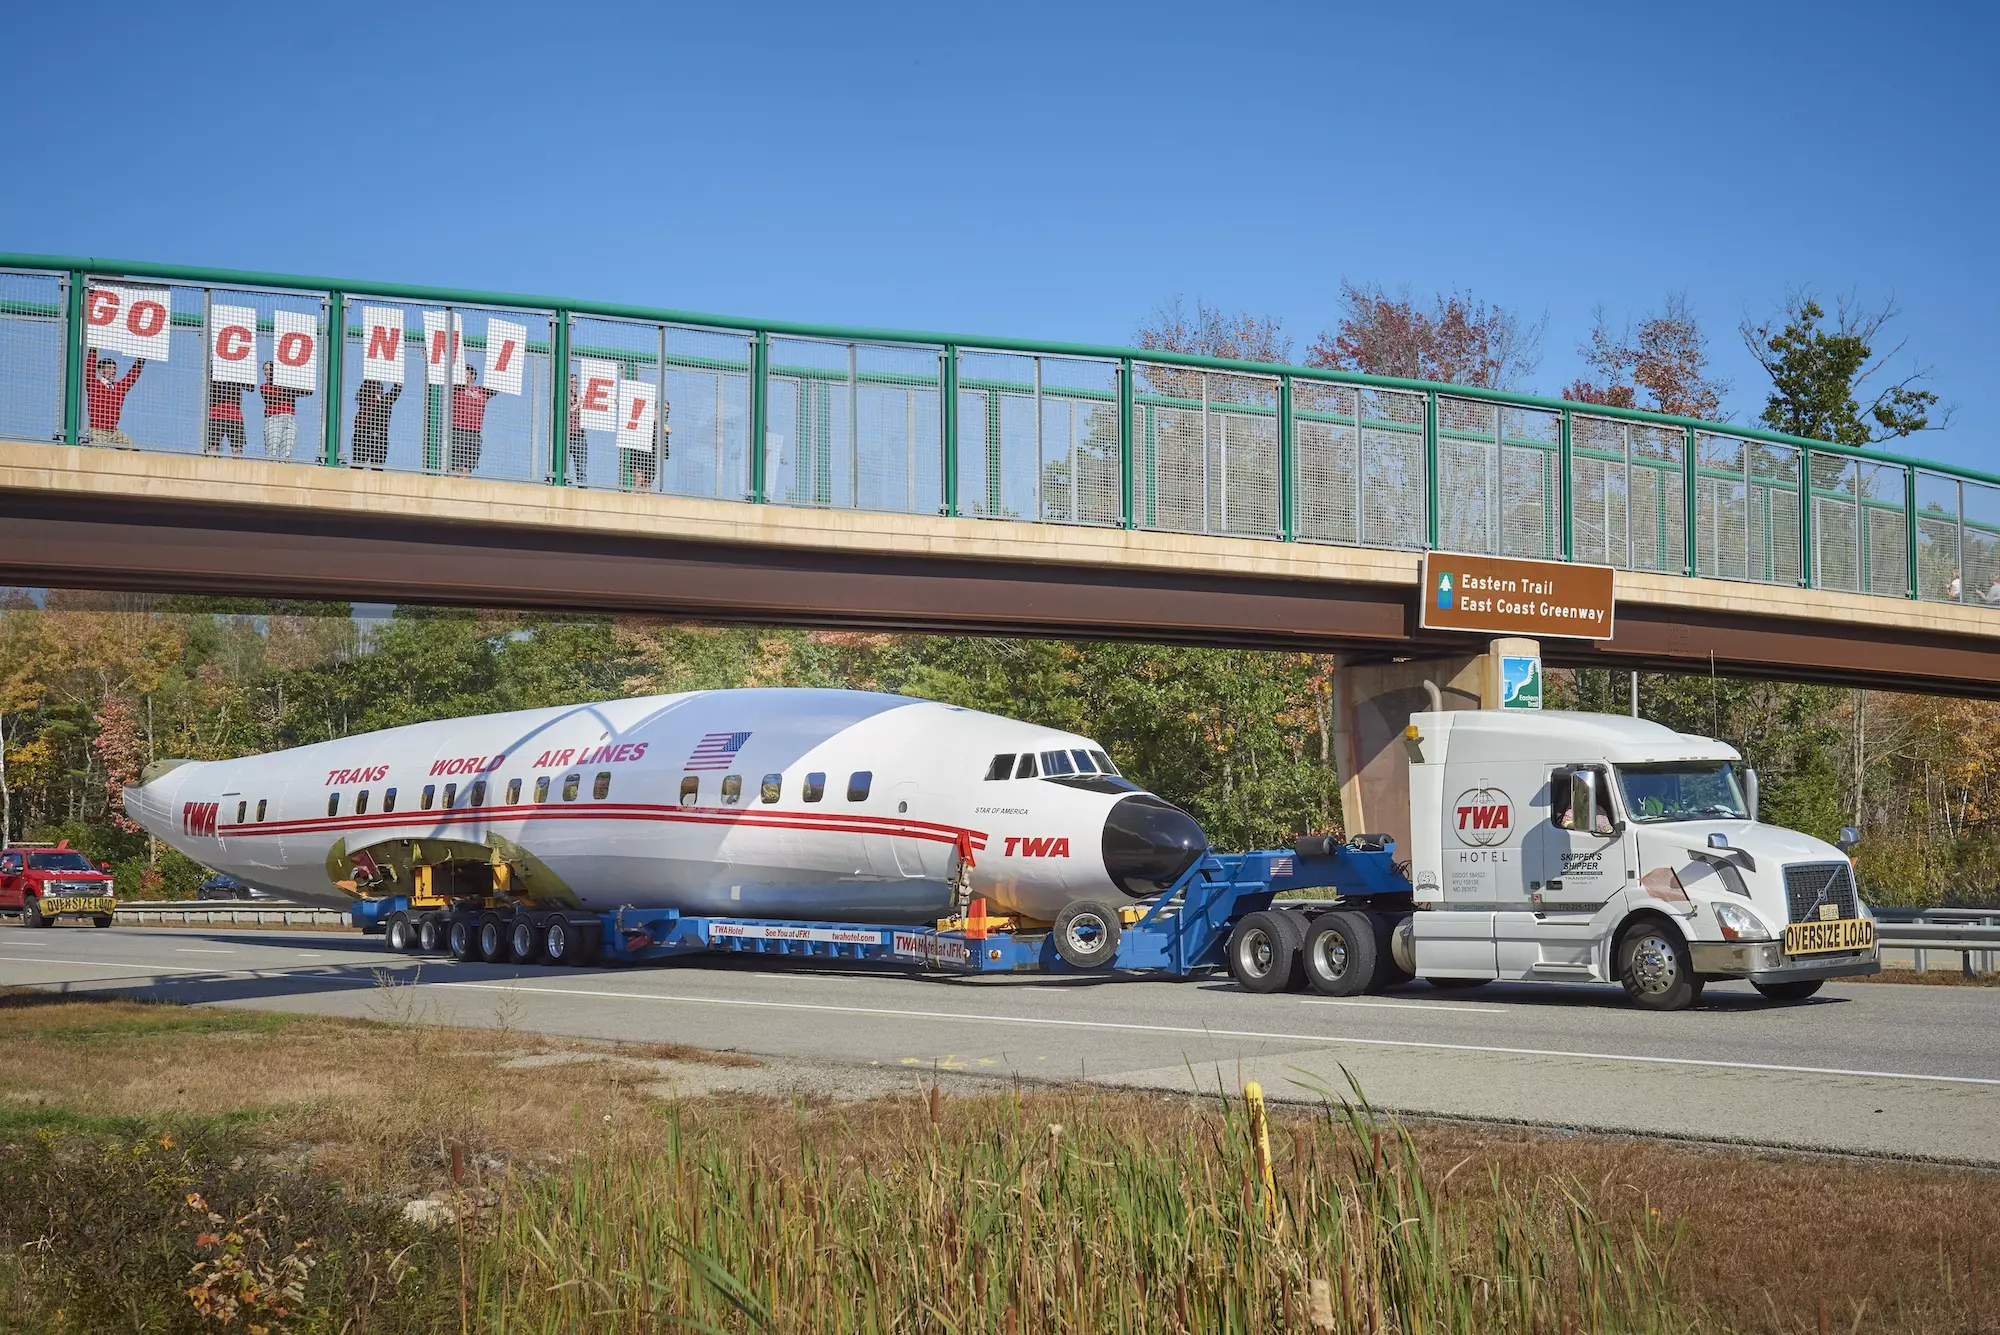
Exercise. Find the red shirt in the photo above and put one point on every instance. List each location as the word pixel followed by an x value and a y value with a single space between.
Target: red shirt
pixel 468 406
pixel 225 401
pixel 280 401
pixel 107 402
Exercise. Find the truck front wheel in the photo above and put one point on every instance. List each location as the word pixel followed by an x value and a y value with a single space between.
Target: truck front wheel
pixel 1655 968
pixel 1795 990
pixel 31 912
pixel 101 920
pixel 1342 953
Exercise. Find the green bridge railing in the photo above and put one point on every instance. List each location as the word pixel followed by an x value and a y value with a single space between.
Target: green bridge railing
pixel 575 393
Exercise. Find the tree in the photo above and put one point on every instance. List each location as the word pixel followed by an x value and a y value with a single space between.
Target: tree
pixel 1458 340
pixel 1818 374
pixel 1668 359
pixel 1212 332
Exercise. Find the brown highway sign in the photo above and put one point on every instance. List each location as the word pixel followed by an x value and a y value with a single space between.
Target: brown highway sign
pixel 1500 595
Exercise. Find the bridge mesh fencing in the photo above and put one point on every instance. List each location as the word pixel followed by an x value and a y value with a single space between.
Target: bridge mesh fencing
pixel 1499 479
pixel 855 426
pixel 33 347
pixel 1038 438
pixel 1210 460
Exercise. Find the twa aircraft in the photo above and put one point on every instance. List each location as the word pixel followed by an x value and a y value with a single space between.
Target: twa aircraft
pixel 771 803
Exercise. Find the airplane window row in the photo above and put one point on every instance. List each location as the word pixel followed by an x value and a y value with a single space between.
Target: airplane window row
pixel 475 795
pixel 773 785
pixel 1007 765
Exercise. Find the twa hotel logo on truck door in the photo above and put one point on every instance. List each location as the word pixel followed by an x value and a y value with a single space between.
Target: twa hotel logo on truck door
pixel 1483 817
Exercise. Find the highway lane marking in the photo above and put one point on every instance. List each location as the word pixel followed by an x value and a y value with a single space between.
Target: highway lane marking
pixel 200 950
pixel 1397 1005
pixel 1113 1026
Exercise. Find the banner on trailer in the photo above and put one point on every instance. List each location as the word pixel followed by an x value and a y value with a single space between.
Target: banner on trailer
pixel 506 350
pixel 382 344
pixel 295 349
pixel 136 321
pixel 638 407
pixel 437 347
pixel 232 344
pixel 597 394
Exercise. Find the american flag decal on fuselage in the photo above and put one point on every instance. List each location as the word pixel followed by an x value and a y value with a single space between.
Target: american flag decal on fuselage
pixel 716 751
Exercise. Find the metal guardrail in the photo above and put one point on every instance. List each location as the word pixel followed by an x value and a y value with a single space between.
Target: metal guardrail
pixel 562 392
pixel 1972 934
pixel 268 915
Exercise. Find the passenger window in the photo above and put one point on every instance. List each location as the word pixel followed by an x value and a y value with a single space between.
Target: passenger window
pixel 333 804
pixel 361 803
pixel 1056 762
pixel 600 787
pixel 690 790
pixel 858 784
pixel 476 797
pixel 429 796
pixel 260 807
pixel 1001 768
pixel 542 788
pixel 513 791
pixel 450 795
pixel 1082 759
pixel 815 787
pixel 388 802
pixel 1026 769
pixel 572 784
pixel 1104 765
pixel 241 808
pixel 769 790
pixel 732 789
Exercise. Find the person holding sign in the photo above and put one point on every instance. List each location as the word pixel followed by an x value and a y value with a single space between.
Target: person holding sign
pixel 225 418
pixel 373 402
pixel 577 439
pixel 281 415
pixel 468 419
pixel 107 397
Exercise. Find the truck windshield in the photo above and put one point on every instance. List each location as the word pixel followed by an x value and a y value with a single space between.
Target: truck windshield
pixel 1683 790
pixel 58 862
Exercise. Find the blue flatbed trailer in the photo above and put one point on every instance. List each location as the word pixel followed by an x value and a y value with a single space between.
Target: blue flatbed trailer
pixel 1185 930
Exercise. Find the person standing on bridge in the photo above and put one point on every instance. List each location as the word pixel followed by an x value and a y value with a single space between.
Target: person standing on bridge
pixel 225 418
pixel 641 466
pixel 577 439
pixel 281 416
pixel 373 402
pixel 107 397
pixel 468 420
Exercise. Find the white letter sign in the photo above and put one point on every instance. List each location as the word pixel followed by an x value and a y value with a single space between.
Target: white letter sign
pixel 637 406
pixel 232 344
pixel 437 347
pixel 132 320
pixel 382 344
pixel 506 350
pixel 295 349
pixel 597 394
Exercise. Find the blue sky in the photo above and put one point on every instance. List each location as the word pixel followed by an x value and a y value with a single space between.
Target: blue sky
pixel 1047 171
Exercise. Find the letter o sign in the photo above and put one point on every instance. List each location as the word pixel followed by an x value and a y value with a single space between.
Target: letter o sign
pixel 295 349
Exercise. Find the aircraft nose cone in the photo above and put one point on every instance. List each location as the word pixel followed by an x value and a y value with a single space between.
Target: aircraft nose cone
pixel 1148 843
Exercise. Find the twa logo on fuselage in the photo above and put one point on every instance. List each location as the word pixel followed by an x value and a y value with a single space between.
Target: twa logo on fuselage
pixel 1020 847
pixel 199 818
pixel 1483 817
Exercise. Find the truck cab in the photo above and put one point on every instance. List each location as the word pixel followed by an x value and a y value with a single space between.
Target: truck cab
pixel 1553 845
pixel 44 882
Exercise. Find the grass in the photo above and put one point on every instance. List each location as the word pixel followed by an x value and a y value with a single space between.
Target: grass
pixel 591 1203
pixel 1952 977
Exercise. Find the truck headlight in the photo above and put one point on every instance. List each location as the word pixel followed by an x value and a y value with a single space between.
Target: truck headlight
pixel 1739 924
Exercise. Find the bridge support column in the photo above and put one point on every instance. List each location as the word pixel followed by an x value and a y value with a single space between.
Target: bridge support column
pixel 1373 703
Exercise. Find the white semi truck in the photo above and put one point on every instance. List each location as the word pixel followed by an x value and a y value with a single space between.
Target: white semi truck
pixel 1585 847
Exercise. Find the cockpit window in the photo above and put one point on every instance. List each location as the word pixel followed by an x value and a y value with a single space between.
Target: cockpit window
pixel 1001 768
pixel 1057 762
pixel 1082 759
pixel 1026 769
pixel 1104 765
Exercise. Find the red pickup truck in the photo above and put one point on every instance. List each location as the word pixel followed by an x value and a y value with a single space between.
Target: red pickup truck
pixel 43 882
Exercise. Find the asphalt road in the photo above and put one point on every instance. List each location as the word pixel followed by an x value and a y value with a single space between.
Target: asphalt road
pixel 1868 1068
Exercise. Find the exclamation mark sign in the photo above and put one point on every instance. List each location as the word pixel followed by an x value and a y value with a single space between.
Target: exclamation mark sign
pixel 638 407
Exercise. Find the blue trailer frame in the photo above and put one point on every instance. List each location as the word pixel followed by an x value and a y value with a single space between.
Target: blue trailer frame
pixel 1182 931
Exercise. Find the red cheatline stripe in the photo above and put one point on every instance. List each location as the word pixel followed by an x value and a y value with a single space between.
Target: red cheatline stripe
pixel 925 830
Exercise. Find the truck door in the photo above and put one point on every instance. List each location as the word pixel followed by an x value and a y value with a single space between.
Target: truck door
pixel 10 880
pixel 1577 858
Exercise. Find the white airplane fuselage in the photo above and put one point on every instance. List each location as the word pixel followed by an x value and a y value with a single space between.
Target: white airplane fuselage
pixel 773 803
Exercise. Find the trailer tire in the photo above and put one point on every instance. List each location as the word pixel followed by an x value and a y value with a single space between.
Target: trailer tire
pixel 559 941
pixel 524 940
pixel 461 938
pixel 1792 990
pixel 428 929
pixel 1086 934
pixel 584 936
pixel 396 933
pixel 1264 951
pixel 1388 971
pixel 1341 955
pixel 1655 968
pixel 101 920
pixel 490 938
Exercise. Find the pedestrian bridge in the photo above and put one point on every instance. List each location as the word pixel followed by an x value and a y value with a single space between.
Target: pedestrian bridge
pixel 506 450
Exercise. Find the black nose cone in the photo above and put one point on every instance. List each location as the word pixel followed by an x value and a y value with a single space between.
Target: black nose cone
pixel 1148 843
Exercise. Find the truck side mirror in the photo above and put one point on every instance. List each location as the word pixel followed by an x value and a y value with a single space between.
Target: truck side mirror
pixel 1582 802
pixel 1849 837
pixel 1750 791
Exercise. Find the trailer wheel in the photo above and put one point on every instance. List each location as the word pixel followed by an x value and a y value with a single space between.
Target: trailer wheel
pixel 1086 934
pixel 397 933
pixel 523 941
pixel 490 938
pixel 559 941
pixel 428 928
pixel 1655 968
pixel 1340 953
pixel 1264 951
pixel 101 920
pixel 1794 990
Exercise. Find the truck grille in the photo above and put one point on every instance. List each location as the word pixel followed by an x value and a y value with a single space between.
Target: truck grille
pixel 76 888
pixel 1810 884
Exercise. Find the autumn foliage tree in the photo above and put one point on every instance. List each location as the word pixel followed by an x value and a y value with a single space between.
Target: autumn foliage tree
pixel 1456 339
pixel 1665 358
